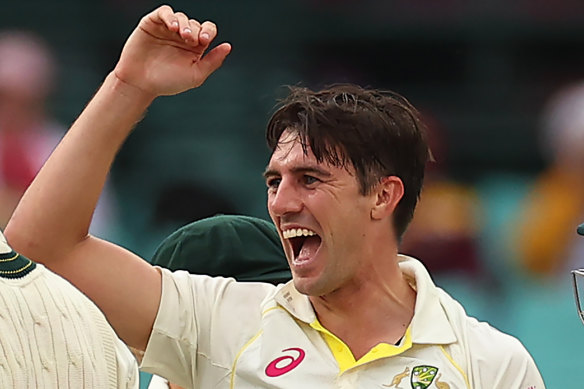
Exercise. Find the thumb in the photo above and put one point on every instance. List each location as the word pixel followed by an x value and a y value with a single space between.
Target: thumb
pixel 213 60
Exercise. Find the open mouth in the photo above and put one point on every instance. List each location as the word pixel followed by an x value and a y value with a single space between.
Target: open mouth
pixel 304 242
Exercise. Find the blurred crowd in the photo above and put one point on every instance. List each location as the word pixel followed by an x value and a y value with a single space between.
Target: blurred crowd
pixel 28 132
pixel 529 220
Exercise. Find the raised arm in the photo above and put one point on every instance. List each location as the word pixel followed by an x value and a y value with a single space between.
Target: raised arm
pixel 164 55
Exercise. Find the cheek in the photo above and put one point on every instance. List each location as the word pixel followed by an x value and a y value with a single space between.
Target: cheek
pixel 352 225
pixel 269 201
pixel 357 212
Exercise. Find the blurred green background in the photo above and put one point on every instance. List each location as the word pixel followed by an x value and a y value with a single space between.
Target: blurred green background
pixel 481 72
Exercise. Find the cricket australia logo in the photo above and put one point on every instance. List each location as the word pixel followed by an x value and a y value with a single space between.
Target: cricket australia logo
pixel 423 376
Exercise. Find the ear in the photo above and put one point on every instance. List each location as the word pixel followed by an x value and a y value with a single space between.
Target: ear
pixel 387 193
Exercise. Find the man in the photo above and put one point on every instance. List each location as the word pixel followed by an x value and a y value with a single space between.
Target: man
pixel 52 335
pixel 343 180
pixel 243 247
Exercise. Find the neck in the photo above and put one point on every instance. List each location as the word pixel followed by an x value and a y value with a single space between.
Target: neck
pixel 375 307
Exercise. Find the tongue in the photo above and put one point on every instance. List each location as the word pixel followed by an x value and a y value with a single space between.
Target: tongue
pixel 309 247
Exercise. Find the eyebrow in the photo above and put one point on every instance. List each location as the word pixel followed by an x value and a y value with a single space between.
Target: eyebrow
pixel 298 169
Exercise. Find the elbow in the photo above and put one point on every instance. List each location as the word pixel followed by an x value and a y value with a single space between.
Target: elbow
pixel 19 238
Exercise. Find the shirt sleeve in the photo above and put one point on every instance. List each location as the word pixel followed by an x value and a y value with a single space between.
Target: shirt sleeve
pixel 518 371
pixel 195 323
pixel 505 364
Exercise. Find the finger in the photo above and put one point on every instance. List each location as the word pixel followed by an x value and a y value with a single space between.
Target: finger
pixel 165 14
pixel 195 27
pixel 213 59
pixel 184 28
pixel 208 32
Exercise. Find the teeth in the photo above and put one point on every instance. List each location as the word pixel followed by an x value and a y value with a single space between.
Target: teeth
pixel 296 232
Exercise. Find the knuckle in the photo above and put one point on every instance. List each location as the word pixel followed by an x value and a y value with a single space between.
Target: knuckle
pixel 210 25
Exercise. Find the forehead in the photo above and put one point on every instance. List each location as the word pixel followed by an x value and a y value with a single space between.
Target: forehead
pixel 290 154
pixel 289 149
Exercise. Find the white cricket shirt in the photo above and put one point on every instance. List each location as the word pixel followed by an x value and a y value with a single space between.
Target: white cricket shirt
pixel 53 336
pixel 218 333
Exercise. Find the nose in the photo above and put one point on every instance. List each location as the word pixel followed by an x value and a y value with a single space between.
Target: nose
pixel 286 199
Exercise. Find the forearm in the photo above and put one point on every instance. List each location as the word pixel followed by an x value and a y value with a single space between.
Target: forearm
pixel 166 54
pixel 56 210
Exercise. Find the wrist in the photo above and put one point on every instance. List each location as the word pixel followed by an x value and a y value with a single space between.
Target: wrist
pixel 129 91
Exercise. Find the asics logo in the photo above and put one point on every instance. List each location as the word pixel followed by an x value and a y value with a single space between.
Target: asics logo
pixel 285 363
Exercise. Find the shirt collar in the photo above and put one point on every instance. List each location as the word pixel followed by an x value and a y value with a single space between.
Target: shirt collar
pixel 297 304
pixel 430 324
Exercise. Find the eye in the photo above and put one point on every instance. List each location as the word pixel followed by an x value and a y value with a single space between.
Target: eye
pixel 309 180
pixel 273 182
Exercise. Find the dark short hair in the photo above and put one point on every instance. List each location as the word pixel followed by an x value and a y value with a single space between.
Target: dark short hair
pixel 378 132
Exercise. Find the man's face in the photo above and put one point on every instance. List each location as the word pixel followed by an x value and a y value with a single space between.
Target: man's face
pixel 320 215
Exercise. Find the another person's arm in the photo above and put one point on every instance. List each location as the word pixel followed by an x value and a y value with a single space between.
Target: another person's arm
pixel 163 56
